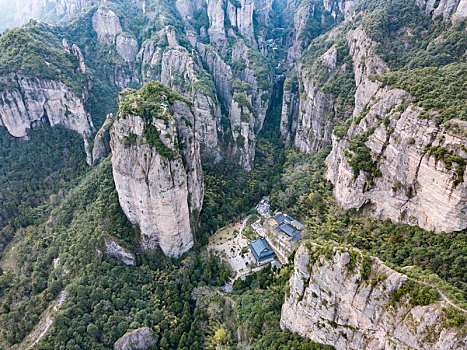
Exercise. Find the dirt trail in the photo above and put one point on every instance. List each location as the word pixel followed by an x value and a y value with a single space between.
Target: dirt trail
pixel 44 324
pixel 445 298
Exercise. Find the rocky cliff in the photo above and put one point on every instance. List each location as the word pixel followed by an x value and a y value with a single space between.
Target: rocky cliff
pixel 26 101
pixel 138 339
pixel 405 181
pixel 318 94
pixel 178 68
pixel 342 298
pixel 48 10
pixel 101 147
pixel 445 8
pixel 235 64
pixel 156 167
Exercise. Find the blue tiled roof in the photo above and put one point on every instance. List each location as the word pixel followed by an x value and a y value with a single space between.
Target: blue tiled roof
pixel 287 219
pixel 293 234
pixel 261 249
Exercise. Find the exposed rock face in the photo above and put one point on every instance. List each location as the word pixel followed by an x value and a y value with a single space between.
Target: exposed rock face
pixel 77 52
pixel 127 47
pixel 242 122
pixel 101 148
pixel 308 118
pixel 289 111
pixel 216 31
pixel 113 249
pixel 177 68
pixel 48 10
pixel 106 24
pixel 241 17
pixel 159 184
pixel 315 116
pixel 138 339
pixel 444 8
pixel 27 101
pixel 304 11
pixel 246 65
pixel 332 303
pixel 413 186
pixel 221 72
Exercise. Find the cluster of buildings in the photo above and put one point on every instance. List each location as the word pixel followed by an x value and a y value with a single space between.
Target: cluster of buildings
pixel 286 225
pixel 282 232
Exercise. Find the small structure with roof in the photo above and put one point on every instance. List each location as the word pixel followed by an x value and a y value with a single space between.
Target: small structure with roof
pixel 287 225
pixel 262 251
pixel 283 233
pixel 263 206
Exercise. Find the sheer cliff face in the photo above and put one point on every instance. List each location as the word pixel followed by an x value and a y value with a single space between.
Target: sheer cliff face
pixel 176 67
pixel 223 50
pixel 48 10
pixel 157 169
pixel 446 8
pixel 26 101
pixel 233 59
pixel 340 298
pixel 411 185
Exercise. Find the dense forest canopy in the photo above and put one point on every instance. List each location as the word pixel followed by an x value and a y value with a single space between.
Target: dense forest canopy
pixel 58 213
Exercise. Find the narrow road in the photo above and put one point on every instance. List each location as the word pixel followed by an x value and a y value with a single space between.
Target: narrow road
pixel 445 298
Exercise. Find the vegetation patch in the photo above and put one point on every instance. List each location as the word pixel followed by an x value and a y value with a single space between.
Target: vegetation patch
pixel 440 89
pixel 242 101
pixel 359 157
pixel 365 271
pixel 449 159
pixel 151 102
pixel 418 294
pixel 130 140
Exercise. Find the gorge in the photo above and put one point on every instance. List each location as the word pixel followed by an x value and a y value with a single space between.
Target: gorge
pixel 133 131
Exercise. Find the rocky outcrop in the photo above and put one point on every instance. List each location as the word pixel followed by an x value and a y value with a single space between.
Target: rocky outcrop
pixel 138 339
pixel 28 101
pixel 320 12
pixel 407 184
pixel 340 298
pixel 242 122
pixel 157 169
pixel 242 70
pixel 113 249
pixel 289 110
pixel 220 71
pixel 75 50
pixel 101 148
pixel 308 118
pixel 127 47
pixel 216 30
pixel 178 68
pixel 109 31
pixel 240 16
pixel 412 186
pixel 106 25
pixel 444 8
pixel 51 11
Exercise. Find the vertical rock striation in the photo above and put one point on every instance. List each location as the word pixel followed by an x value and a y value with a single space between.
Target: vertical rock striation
pixel 343 299
pixel 157 169
pixel 407 184
pixel 27 101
